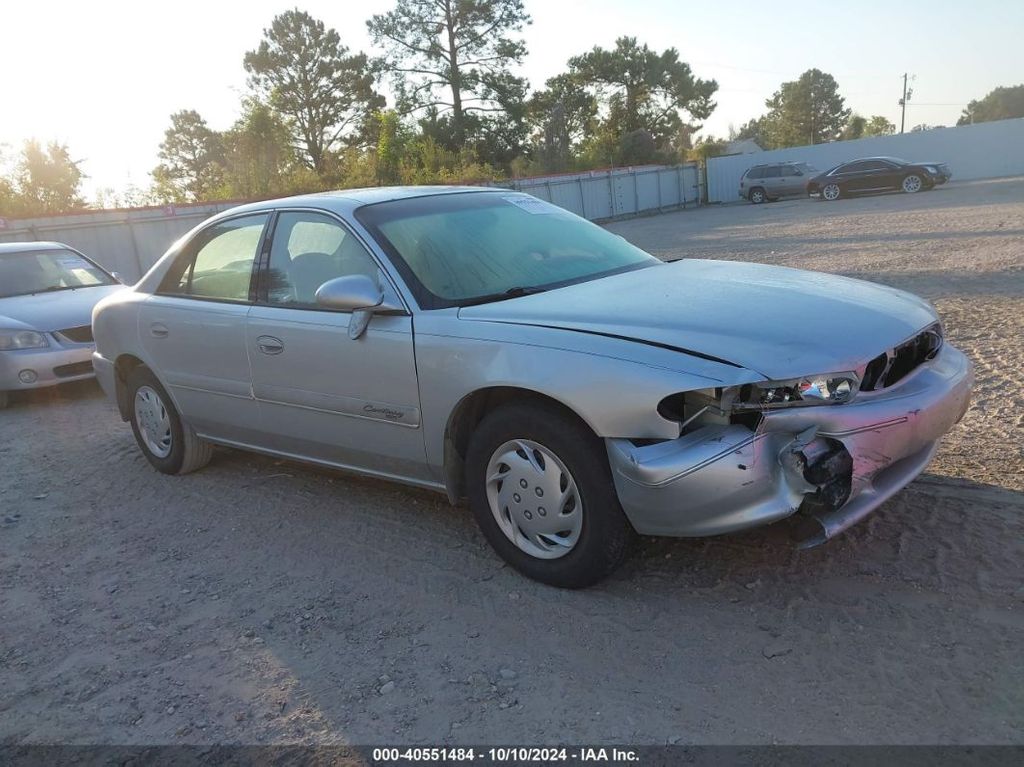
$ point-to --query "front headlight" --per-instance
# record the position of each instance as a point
(826, 389)
(22, 339)
(932, 169)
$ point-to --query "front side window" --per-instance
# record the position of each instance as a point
(218, 264)
(47, 271)
(308, 250)
(474, 247)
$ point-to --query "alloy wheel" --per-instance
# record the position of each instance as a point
(534, 499)
(830, 192)
(912, 184)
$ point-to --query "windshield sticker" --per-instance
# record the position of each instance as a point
(533, 205)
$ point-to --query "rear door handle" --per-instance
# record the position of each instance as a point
(159, 330)
(270, 345)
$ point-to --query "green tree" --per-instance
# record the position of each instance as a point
(761, 129)
(453, 57)
(326, 96)
(878, 125)
(47, 180)
(1002, 103)
(854, 128)
(562, 115)
(643, 90)
(191, 160)
(258, 157)
(808, 110)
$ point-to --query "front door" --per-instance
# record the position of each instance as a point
(193, 329)
(323, 395)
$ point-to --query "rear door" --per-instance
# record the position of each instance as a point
(193, 328)
(772, 181)
(323, 395)
(876, 175)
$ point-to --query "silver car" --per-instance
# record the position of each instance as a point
(493, 347)
(765, 183)
(47, 294)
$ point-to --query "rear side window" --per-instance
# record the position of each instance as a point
(218, 263)
(755, 173)
(772, 171)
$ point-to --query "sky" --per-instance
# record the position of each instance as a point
(103, 76)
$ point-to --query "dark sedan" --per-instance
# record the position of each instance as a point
(877, 174)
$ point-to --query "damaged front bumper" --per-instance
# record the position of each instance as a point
(836, 463)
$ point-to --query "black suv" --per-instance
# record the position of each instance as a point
(878, 174)
(774, 180)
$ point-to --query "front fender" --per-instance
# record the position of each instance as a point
(614, 385)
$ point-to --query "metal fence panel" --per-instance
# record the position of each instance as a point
(982, 150)
(131, 241)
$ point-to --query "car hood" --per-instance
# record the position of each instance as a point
(779, 322)
(55, 311)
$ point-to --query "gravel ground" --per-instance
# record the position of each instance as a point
(261, 601)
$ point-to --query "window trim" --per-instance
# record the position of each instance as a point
(187, 251)
(260, 295)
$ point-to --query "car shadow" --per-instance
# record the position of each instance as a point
(73, 391)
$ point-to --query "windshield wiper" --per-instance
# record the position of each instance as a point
(516, 292)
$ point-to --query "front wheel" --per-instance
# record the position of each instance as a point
(541, 490)
(168, 443)
(912, 183)
(831, 192)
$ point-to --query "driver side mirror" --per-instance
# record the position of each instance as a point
(355, 293)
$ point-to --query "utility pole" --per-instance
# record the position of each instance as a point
(903, 103)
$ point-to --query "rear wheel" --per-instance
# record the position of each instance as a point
(912, 183)
(168, 443)
(757, 195)
(831, 192)
(541, 490)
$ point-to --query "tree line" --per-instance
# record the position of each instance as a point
(314, 118)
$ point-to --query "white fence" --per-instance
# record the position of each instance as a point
(600, 195)
(124, 241)
(982, 150)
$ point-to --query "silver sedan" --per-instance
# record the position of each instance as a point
(493, 347)
(47, 294)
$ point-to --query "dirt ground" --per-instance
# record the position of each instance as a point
(261, 601)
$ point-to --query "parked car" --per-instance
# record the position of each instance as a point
(491, 346)
(877, 174)
(47, 294)
(763, 183)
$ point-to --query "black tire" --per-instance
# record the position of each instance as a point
(757, 195)
(188, 452)
(606, 534)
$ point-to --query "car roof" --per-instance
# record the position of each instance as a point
(346, 200)
(24, 247)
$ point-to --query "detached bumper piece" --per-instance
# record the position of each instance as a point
(832, 464)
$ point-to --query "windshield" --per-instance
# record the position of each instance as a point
(459, 249)
(45, 271)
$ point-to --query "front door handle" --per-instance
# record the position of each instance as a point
(270, 345)
(158, 330)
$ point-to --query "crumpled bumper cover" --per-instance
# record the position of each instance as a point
(723, 478)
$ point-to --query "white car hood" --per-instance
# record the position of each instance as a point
(60, 309)
(779, 322)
